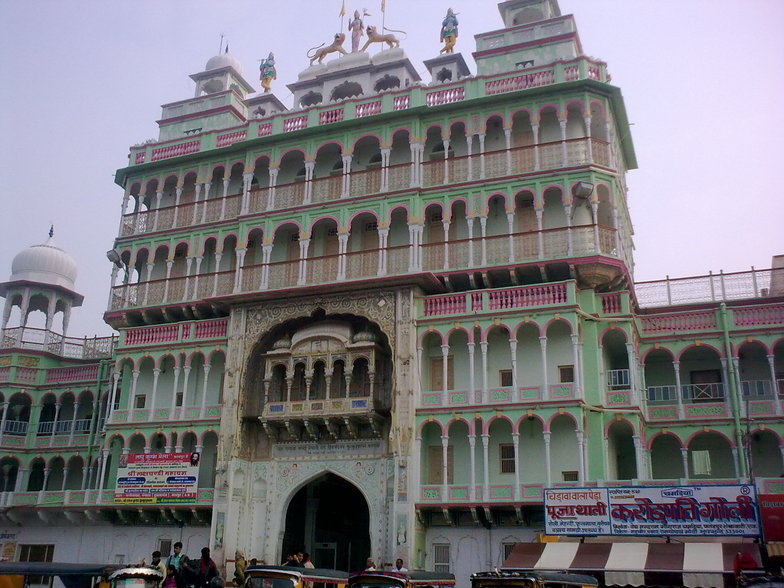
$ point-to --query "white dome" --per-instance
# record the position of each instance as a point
(45, 264)
(223, 60)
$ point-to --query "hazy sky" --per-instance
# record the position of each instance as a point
(84, 79)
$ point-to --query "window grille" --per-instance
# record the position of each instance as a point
(441, 557)
(507, 458)
(566, 373)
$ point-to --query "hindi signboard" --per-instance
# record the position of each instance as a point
(157, 478)
(721, 510)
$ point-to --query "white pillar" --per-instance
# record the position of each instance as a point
(472, 448)
(444, 467)
(581, 454)
(485, 454)
(485, 395)
(515, 387)
(303, 261)
(156, 372)
(240, 251)
(471, 374)
(113, 397)
(676, 365)
(203, 408)
(445, 372)
(173, 405)
(346, 187)
(545, 378)
(547, 458)
(516, 445)
(685, 462)
(578, 374)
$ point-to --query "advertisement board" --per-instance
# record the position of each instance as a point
(721, 510)
(157, 478)
(772, 516)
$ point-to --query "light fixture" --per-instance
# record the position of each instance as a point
(114, 257)
(582, 189)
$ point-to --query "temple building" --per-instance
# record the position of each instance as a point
(386, 317)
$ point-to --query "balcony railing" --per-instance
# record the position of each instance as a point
(51, 342)
(558, 293)
(581, 68)
(320, 408)
(497, 250)
(495, 164)
(162, 414)
(181, 332)
(717, 288)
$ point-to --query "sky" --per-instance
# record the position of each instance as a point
(83, 80)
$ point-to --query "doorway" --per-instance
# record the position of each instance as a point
(329, 518)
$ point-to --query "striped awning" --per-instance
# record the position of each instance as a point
(697, 565)
(775, 548)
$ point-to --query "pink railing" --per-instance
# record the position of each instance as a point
(330, 116)
(176, 150)
(611, 303)
(140, 157)
(521, 82)
(79, 373)
(449, 304)
(24, 374)
(229, 138)
(400, 102)
(528, 296)
(295, 124)
(759, 315)
(446, 96)
(211, 329)
(686, 321)
(207, 329)
(265, 129)
(368, 109)
(151, 335)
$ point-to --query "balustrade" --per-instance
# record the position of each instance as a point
(520, 247)
(519, 160)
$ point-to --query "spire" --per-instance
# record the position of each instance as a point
(51, 231)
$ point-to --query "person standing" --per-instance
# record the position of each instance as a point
(399, 566)
(176, 560)
(206, 569)
(157, 564)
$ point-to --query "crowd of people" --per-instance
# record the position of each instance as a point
(179, 571)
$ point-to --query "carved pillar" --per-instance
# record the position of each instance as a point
(203, 408)
(516, 446)
(346, 185)
(471, 374)
(485, 395)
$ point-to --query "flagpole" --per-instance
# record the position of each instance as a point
(383, 15)
(342, 15)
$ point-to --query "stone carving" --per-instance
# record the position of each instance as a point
(321, 52)
(449, 32)
(375, 37)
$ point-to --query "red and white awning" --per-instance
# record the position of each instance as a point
(698, 565)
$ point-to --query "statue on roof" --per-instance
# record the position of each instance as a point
(267, 72)
(449, 32)
(321, 52)
(357, 28)
(375, 37)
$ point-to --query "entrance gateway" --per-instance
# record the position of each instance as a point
(329, 517)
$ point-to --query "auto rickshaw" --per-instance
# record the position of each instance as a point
(263, 576)
(531, 579)
(136, 577)
(390, 579)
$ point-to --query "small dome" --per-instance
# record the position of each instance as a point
(45, 264)
(365, 337)
(223, 60)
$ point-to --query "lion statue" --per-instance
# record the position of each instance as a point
(374, 37)
(321, 52)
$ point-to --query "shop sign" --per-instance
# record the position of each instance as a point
(721, 510)
(157, 478)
